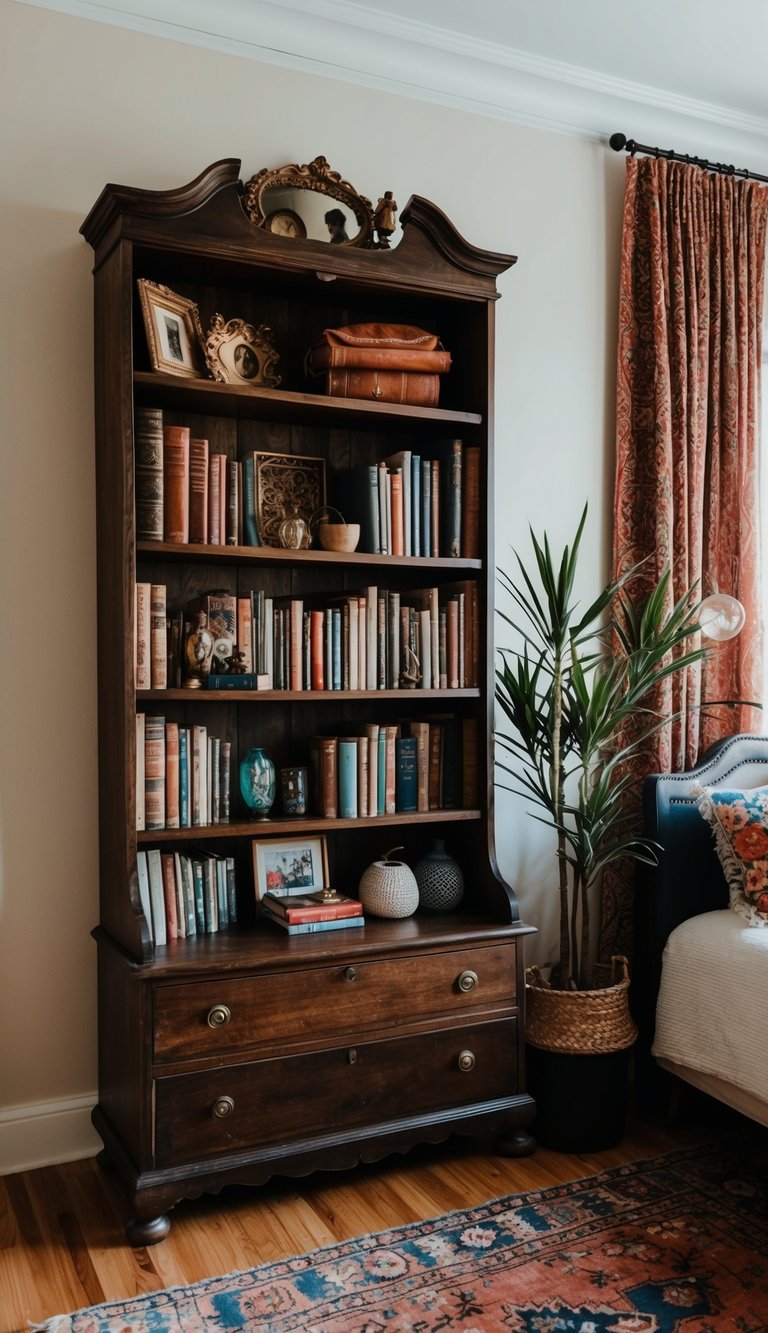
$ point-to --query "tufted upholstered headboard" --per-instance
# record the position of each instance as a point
(689, 879)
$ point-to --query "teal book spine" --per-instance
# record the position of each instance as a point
(184, 816)
(337, 664)
(246, 681)
(313, 927)
(381, 794)
(250, 530)
(347, 764)
(406, 775)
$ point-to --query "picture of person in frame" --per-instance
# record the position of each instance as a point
(246, 362)
(173, 335)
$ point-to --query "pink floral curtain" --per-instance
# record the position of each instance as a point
(687, 492)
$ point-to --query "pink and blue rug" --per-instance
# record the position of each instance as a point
(677, 1244)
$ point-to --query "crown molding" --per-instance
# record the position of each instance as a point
(359, 44)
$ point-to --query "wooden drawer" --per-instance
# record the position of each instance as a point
(324, 1003)
(281, 1101)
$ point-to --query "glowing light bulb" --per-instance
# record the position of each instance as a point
(721, 617)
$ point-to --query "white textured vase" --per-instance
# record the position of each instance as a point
(389, 888)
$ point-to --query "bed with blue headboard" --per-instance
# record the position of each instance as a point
(705, 966)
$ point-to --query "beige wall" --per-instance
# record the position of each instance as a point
(82, 104)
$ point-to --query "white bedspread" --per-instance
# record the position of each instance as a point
(712, 1011)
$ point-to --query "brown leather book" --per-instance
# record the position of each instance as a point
(435, 764)
(142, 637)
(176, 483)
(323, 357)
(198, 491)
(327, 770)
(149, 474)
(169, 894)
(470, 503)
(384, 386)
(158, 638)
(171, 775)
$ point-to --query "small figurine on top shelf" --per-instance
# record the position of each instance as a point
(198, 653)
(384, 219)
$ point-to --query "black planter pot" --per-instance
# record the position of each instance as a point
(581, 1100)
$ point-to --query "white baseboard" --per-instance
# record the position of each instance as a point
(47, 1133)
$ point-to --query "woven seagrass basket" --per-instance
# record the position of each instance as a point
(581, 1022)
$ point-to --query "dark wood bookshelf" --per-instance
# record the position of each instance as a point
(380, 1021)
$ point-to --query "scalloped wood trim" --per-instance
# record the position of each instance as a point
(420, 212)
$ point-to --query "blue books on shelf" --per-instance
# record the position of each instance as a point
(416, 505)
(381, 792)
(184, 815)
(313, 927)
(248, 680)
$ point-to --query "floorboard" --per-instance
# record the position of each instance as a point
(61, 1228)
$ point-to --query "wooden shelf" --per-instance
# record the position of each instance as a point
(284, 405)
(275, 555)
(299, 696)
(255, 828)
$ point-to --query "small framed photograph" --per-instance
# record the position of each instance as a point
(290, 865)
(174, 333)
(239, 353)
(284, 485)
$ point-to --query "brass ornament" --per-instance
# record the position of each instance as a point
(317, 176)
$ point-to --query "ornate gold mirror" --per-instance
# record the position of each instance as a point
(313, 202)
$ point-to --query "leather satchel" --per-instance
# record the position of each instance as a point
(388, 347)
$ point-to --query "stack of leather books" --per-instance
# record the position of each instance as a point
(388, 363)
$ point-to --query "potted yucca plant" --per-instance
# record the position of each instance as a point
(576, 698)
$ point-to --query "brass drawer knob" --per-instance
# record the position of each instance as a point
(222, 1107)
(350, 974)
(218, 1016)
(466, 1061)
(467, 981)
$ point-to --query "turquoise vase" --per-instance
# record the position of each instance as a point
(257, 782)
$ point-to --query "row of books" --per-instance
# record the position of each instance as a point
(183, 895)
(409, 504)
(182, 775)
(302, 914)
(404, 768)
(377, 639)
(187, 493)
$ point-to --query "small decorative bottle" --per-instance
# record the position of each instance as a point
(440, 880)
(257, 782)
(198, 653)
(293, 533)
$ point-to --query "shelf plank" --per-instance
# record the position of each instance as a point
(235, 400)
(300, 696)
(275, 555)
(254, 828)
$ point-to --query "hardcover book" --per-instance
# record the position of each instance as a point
(406, 776)
(158, 638)
(154, 772)
(312, 927)
(143, 636)
(198, 491)
(295, 908)
(149, 474)
(176, 483)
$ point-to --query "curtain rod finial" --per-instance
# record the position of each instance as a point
(617, 142)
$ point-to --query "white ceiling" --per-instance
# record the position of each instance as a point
(689, 70)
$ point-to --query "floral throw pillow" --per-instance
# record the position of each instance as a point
(739, 822)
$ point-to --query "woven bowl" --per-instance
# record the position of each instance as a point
(338, 536)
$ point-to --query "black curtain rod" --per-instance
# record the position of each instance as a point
(620, 141)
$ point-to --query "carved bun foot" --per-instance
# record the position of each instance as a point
(518, 1144)
(148, 1233)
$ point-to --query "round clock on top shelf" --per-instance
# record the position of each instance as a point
(284, 222)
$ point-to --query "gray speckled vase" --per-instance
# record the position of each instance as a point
(440, 880)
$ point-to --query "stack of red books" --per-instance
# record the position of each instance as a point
(302, 914)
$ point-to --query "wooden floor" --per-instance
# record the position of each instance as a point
(61, 1228)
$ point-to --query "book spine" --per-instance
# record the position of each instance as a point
(425, 649)
(435, 764)
(198, 881)
(199, 748)
(336, 660)
(198, 491)
(405, 774)
(434, 517)
(184, 819)
(381, 795)
(362, 642)
(372, 738)
(143, 637)
(452, 643)
(371, 625)
(298, 915)
(216, 780)
(158, 638)
(231, 890)
(416, 505)
(188, 884)
(453, 471)
(443, 649)
(470, 507)
(390, 771)
(181, 911)
(381, 642)
(172, 810)
(157, 896)
(140, 798)
(419, 389)
(373, 512)
(354, 650)
(169, 895)
(398, 523)
(317, 651)
(176, 483)
(362, 776)
(306, 665)
(220, 867)
(245, 632)
(426, 507)
(142, 875)
(210, 897)
(296, 643)
(383, 509)
(420, 733)
(233, 501)
(327, 749)
(226, 778)
(149, 474)
(223, 499)
(214, 509)
(407, 511)
(250, 524)
(154, 772)
(347, 766)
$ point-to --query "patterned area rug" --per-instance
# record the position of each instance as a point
(677, 1244)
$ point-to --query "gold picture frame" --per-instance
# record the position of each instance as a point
(240, 353)
(290, 865)
(286, 485)
(173, 329)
